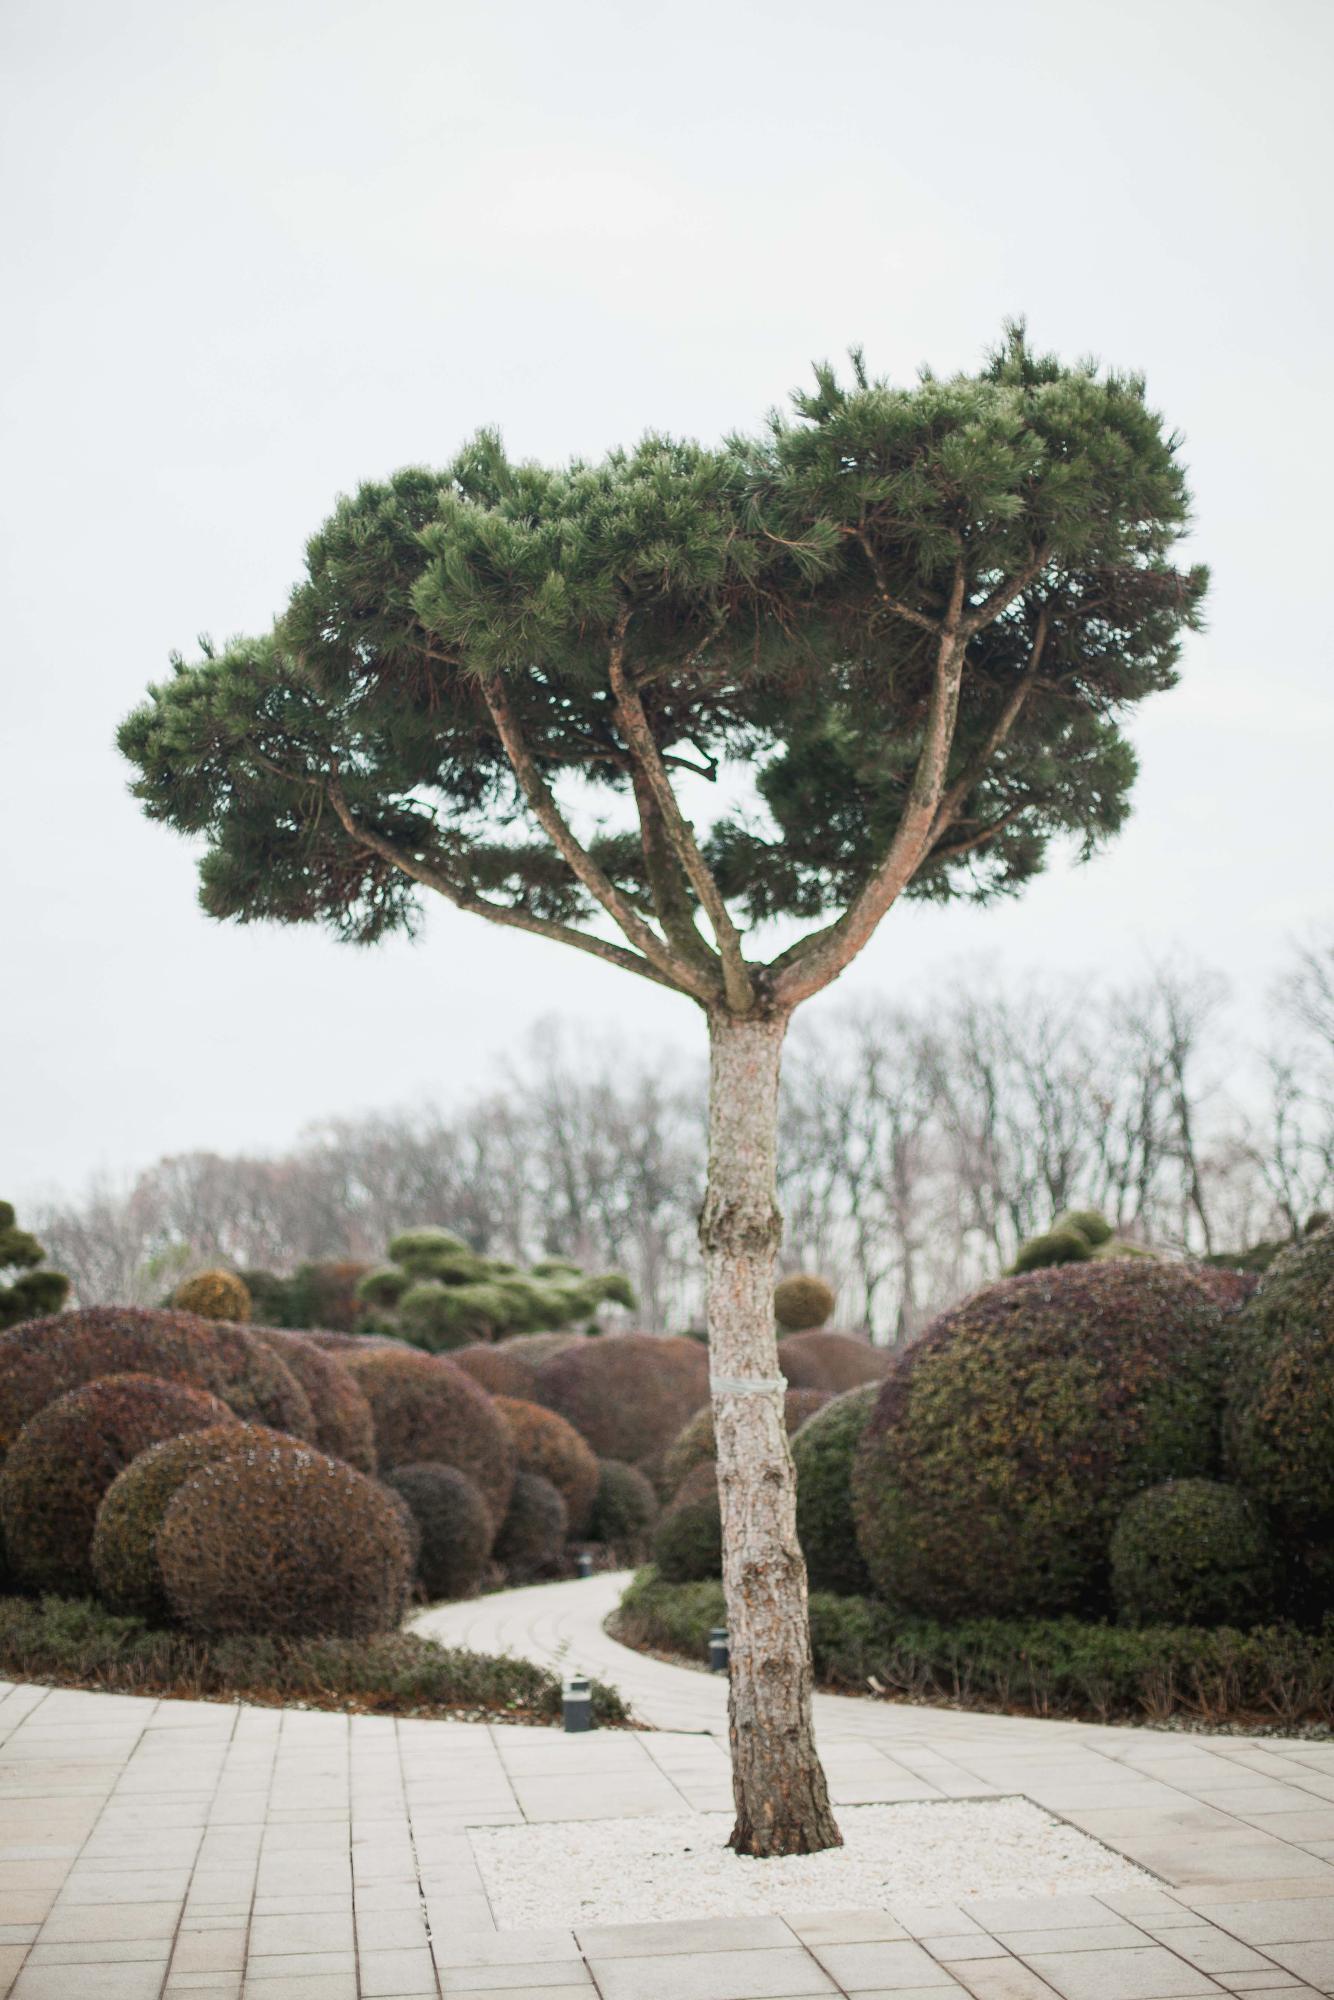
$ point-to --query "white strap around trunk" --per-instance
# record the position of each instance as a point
(748, 1385)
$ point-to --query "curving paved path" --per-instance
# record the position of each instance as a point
(158, 1850)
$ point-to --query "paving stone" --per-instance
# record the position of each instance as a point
(1147, 1973)
(694, 1934)
(726, 1975)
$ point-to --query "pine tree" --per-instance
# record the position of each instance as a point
(912, 618)
(25, 1291)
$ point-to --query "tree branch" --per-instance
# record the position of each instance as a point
(679, 833)
(496, 913)
(1004, 594)
(819, 958)
(676, 971)
(1000, 729)
(978, 839)
(672, 900)
(887, 598)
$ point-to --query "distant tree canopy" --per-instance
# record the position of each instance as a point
(445, 664)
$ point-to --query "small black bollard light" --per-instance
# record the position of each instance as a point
(584, 1562)
(577, 1704)
(718, 1653)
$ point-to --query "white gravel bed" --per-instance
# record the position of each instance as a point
(611, 1871)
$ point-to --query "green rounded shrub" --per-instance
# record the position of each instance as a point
(831, 1362)
(688, 1539)
(341, 1415)
(627, 1394)
(279, 1538)
(1279, 1429)
(802, 1302)
(533, 1533)
(438, 1317)
(1090, 1223)
(1056, 1245)
(63, 1462)
(625, 1507)
(497, 1371)
(124, 1547)
(426, 1409)
(454, 1525)
(545, 1443)
(1192, 1552)
(1004, 1444)
(823, 1452)
(214, 1295)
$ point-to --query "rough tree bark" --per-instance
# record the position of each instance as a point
(778, 1784)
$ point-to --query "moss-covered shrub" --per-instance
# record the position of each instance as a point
(25, 1288)
(342, 1417)
(1091, 1224)
(63, 1462)
(545, 1443)
(1003, 1446)
(280, 1538)
(533, 1533)
(425, 1409)
(498, 1371)
(214, 1295)
(802, 1302)
(625, 1507)
(1279, 1431)
(1192, 1552)
(831, 1362)
(124, 1546)
(688, 1539)
(695, 1444)
(823, 1452)
(627, 1395)
(454, 1524)
(1054, 1246)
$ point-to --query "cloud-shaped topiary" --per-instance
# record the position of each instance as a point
(25, 1289)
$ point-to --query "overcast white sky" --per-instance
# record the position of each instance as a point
(260, 250)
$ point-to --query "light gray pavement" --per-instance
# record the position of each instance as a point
(183, 1848)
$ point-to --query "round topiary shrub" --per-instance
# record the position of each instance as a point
(532, 1535)
(279, 1538)
(823, 1452)
(65, 1459)
(1192, 1552)
(341, 1415)
(498, 1371)
(696, 1445)
(532, 1349)
(545, 1443)
(45, 1358)
(627, 1394)
(831, 1362)
(1003, 1446)
(426, 1409)
(802, 1302)
(124, 1547)
(1055, 1246)
(455, 1526)
(255, 1382)
(1279, 1428)
(688, 1540)
(214, 1295)
(1090, 1223)
(625, 1507)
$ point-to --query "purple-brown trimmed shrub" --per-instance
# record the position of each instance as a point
(625, 1508)
(532, 1535)
(497, 1371)
(277, 1537)
(627, 1394)
(695, 1443)
(454, 1525)
(124, 1547)
(1004, 1445)
(545, 1443)
(342, 1416)
(830, 1361)
(424, 1408)
(62, 1463)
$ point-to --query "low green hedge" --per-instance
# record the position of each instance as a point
(74, 1642)
(1059, 1666)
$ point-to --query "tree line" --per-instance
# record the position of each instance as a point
(920, 1144)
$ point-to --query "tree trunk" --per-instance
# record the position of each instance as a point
(778, 1785)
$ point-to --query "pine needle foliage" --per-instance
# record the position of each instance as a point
(468, 642)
